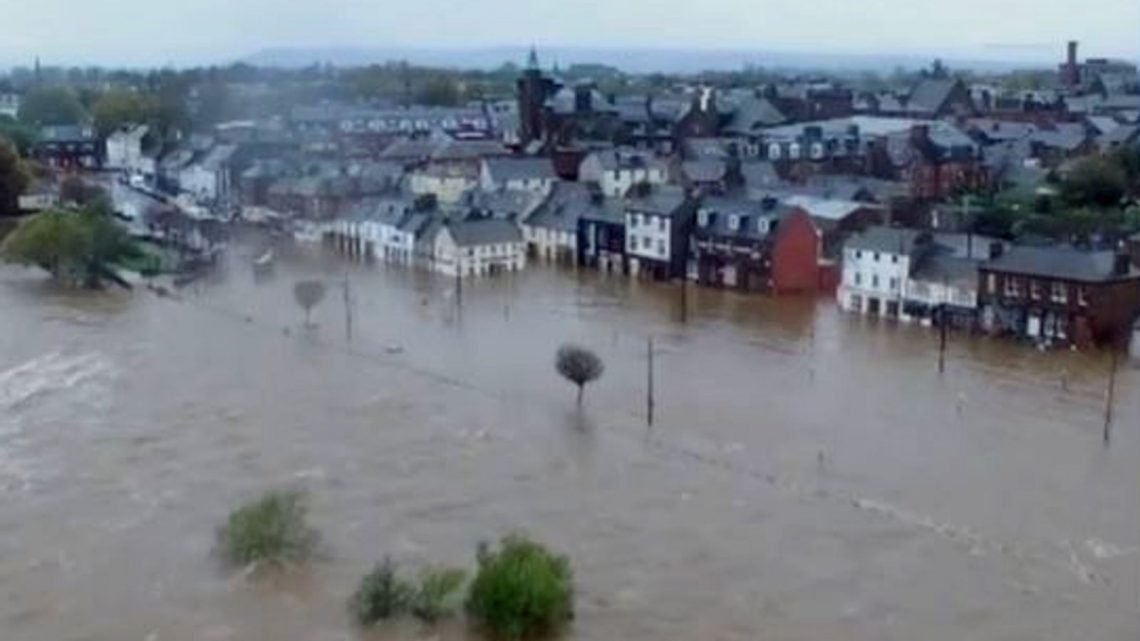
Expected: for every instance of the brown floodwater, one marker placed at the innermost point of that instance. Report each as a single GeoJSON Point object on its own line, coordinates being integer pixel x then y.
{"type": "Point", "coordinates": [809, 475]}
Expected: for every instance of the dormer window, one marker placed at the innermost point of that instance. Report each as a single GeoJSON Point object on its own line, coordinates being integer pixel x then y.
{"type": "Point", "coordinates": [704, 217]}
{"type": "Point", "coordinates": [762, 225]}
{"type": "Point", "coordinates": [794, 150]}
{"type": "Point", "coordinates": [774, 151]}
{"type": "Point", "coordinates": [817, 150]}
{"type": "Point", "coordinates": [733, 222]}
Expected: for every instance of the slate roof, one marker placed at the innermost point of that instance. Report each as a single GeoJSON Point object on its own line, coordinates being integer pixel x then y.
{"type": "Point", "coordinates": [483, 231]}
{"type": "Point", "coordinates": [826, 208]}
{"type": "Point", "coordinates": [929, 95]}
{"type": "Point", "coordinates": [1066, 136]}
{"type": "Point", "coordinates": [892, 240]}
{"type": "Point", "coordinates": [662, 200]}
{"type": "Point", "coordinates": [561, 211]}
{"type": "Point", "coordinates": [752, 115]}
{"type": "Point", "coordinates": [1060, 262]}
{"type": "Point", "coordinates": [706, 170]}
{"type": "Point", "coordinates": [504, 169]}
{"type": "Point", "coordinates": [943, 267]}
{"type": "Point", "coordinates": [717, 213]}
{"type": "Point", "coordinates": [760, 175]}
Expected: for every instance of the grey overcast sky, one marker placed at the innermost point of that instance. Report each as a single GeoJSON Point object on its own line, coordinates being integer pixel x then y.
{"type": "Point", "coordinates": [157, 32]}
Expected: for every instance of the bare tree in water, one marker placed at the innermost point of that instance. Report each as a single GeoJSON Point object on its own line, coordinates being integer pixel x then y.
{"type": "Point", "coordinates": [578, 365]}
{"type": "Point", "coordinates": [309, 294]}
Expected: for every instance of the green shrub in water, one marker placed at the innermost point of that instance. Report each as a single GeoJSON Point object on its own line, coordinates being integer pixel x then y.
{"type": "Point", "coordinates": [272, 529]}
{"type": "Point", "coordinates": [437, 593]}
{"type": "Point", "coordinates": [381, 595]}
{"type": "Point", "coordinates": [521, 590]}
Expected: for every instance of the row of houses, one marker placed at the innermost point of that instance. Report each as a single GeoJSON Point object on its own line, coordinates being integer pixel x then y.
{"type": "Point", "coordinates": [1054, 295]}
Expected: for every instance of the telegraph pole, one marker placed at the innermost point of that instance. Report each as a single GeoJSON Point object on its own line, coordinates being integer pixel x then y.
{"type": "Point", "coordinates": [942, 341]}
{"type": "Point", "coordinates": [347, 294]}
{"type": "Point", "coordinates": [649, 385]}
{"type": "Point", "coordinates": [1109, 398]}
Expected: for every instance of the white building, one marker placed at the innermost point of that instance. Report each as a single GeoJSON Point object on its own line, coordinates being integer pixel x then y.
{"type": "Point", "coordinates": [876, 270]}
{"type": "Point", "coordinates": [448, 182]}
{"type": "Point", "coordinates": [478, 247]}
{"type": "Point", "coordinates": [10, 105]}
{"type": "Point", "coordinates": [125, 151]}
{"type": "Point", "coordinates": [616, 170]}
{"type": "Point", "coordinates": [551, 231]}
{"type": "Point", "coordinates": [656, 224]}
{"type": "Point", "coordinates": [535, 175]}
{"type": "Point", "coordinates": [208, 179]}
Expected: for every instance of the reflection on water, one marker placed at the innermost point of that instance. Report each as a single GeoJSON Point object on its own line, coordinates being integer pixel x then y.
{"type": "Point", "coordinates": [808, 476]}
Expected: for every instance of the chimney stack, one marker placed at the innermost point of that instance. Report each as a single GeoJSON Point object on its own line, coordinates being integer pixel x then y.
{"type": "Point", "coordinates": [1072, 59]}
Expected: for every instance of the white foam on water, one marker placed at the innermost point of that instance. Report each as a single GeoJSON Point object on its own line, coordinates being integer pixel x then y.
{"type": "Point", "coordinates": [50, 372]}
{"type": "Point", "coordinates": [1102, 550]}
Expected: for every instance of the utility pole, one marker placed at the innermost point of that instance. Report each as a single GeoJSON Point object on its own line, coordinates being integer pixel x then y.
{"type": "Point", "coordinates": [1109, 399]}
{"type": "Point", "coordinates": [942, 340]}
{"type": "Point", "coordinates": [649, 385]}
{"type": "Point", "coordinates": [347, 293]}
{"type": "Point", "coordinates": [684, 300]}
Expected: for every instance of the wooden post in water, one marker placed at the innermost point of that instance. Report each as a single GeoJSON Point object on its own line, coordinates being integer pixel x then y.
{"type": "Point", "coordinates": [347, 294]}
{"type": "Point", "coordinates": [684, 299]}
{"type": "Point", "coordinates": [942, 341]}
{"type": "Point", "coordinates": [1109, 398]}
{"type": "Point", "coordinates": [649, 385]}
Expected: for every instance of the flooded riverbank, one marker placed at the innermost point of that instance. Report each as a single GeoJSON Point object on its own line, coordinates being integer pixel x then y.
{"type": "Point", "coordinates": [809, 475]}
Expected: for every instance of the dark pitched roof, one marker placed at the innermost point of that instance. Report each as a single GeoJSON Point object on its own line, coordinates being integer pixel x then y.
{"type": "Point", "coordinates": [894, 240]}
{"type": "Point", "coordinates": [661, 200]}
{"type": "Point", "coordinates": [503, 169]}
{"type": "Point", "coordinates": [706, 170]}
{"type": "Point", "coordinates": [716, 216]}
{"type": "Point", "coordinates": [561, 211]}
{"type": "Point", "coordinates": [484, 231]}
{"type": "Point", "coordinates": [929, 95]}
{"type": "Point", "coordinates": [944, 267]}
{"type": "Point", "coordinates": [1066, 263]}
{"type": "Point", "coordinates": [753, 115]}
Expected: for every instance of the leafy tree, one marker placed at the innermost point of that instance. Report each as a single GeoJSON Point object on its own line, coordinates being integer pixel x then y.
{"type": "Point", "coordinates": [76, 191]}
{"type": "Point", "coordinates": [578, 365]}
{"type": "Point", "coordinates": [436, 593]}
{"type": "Point", "coordinates": [19, 134]}
{"type": "Point", "coordinates": [13, 179]}
{"type": "Point", "coordinates": [521, 590]}
{"type": "Point", "coordinates": [272, 529]}
{"type": "Point", "coordinates": [118, 107]}
{"type": "Point", "coordinates": [381, 595]}
{"type": "Point", "coordinates": [308, 294]}
{"type": "Point", "coordinates": [1095, 181]}
{"type": "Point", "coordinates": [76, 246]}
{"type": "Point", "coordinates": [51, 106]}
{"type": "Point", "coordinates": [439, 92]}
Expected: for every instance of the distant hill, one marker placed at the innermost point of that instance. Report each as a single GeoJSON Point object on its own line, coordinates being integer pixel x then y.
{"type": "Point", "coordinates": [629, 60]}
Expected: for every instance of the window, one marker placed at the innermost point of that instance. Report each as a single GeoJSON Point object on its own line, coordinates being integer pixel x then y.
{"type": "Point", "coordinates": [876, 257]}
{"type": "Point", "coordinates": [894, 283]}
{"type": "Point", "coordinates": [646, 243]}
{"type": "Point", "coordinates": [1060, 293]}
{"type": "Point", "coordinates": [858, 254]}
{"type": "Point", "coordinates": [661, 224]}
{"type": "Point", "coordinates": [637, 220]}
{"type": "Point", "coordinates": [661, 247]}
{"type": "Point", "coordinates": [894, 259]}
{"type": "Point", "coordinates": [874, 281]}
{"type": "Point", "coordinates": [1083, 296]}
{"type": "Point", "coordinates": [1035, 290]}
{"type": "Point", "coordinates": [858, 278]}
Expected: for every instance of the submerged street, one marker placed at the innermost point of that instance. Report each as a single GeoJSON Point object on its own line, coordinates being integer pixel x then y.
{"type": "Point", "coordinates": [809, 475]}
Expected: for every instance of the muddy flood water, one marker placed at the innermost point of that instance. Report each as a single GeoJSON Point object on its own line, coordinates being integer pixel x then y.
{"type": "Point", "coordinates": [809, 476]}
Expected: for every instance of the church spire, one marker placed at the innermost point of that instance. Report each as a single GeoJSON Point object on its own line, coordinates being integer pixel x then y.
{"type": "Point", "coordinates": [532, 59]}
